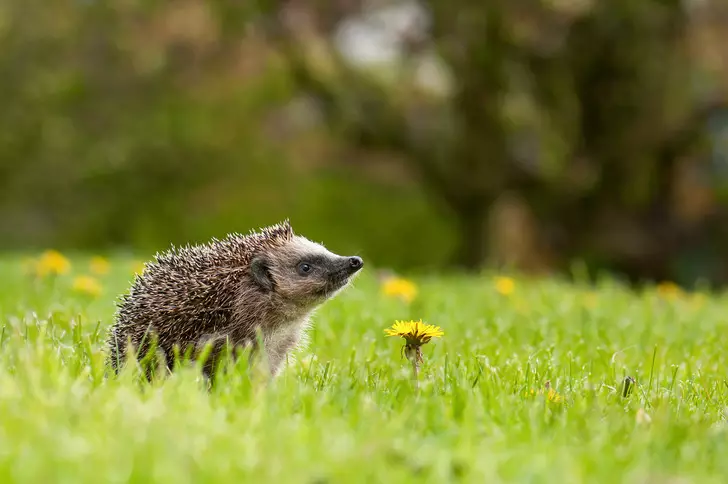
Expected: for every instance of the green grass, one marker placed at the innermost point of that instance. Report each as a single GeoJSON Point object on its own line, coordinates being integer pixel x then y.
{"type": "Point", "coordinates": [348, 412]}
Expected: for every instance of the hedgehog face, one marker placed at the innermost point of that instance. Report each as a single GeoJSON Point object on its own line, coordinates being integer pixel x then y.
{"type": "Point", "coordinates": [304, 273]}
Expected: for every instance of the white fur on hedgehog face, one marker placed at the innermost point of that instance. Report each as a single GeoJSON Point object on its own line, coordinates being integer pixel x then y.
{"type": "Point", "coordinates": [306, 274]}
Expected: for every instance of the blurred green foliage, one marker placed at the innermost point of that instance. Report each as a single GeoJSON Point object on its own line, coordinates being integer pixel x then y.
{"type": "Point", "coordinates": [140, 124]}
{"type": "Point", "coordinates": [557, 131]}
{"type": "Point", "coordinates": [571, 130]}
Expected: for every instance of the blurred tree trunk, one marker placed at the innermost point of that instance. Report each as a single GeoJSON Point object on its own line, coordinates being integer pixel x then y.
{"type": "Point", "coordinates": [473, 248]}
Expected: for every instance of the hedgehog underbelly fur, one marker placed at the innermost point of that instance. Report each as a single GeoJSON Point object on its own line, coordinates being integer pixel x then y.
{"type": "Point", "coordinates": [280, 342]}
{"type": "Point", "coordinates": [226, 290]}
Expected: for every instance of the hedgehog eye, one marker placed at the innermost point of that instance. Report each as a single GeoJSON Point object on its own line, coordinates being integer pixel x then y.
{"type": "Point", "coordinates": [304, 268]}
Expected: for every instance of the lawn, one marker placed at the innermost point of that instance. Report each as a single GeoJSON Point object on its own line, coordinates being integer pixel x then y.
{"type": "Point", "coordinates": [347, 410]}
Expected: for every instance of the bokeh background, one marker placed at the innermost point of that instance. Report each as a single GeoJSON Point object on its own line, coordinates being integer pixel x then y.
{"type": "Point", "coordinates": [533, 135]}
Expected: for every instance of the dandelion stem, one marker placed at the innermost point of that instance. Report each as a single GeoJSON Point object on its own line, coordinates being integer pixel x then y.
{"type": "Point", "coordinates": [414, 354]}
{"type": "Point", "coordinates": [415, 374]}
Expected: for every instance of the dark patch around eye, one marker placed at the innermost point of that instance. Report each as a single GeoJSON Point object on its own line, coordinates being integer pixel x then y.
{"type": "Point", "coordinates": [311, 264]}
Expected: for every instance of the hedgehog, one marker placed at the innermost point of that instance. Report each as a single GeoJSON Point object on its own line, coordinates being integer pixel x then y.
{"type": "Point", "coordinates": [236, 292]}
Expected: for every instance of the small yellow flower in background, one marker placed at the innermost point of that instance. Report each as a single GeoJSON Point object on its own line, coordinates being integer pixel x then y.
{"type": "Point", "coordinates": [669, 290]}
{"type": "Point", "coordinates": [550, 394]}
{"type": "Point", "coordinates": [52, 262]}
{"type": "Point", "coordinates": [99, 265]}
{"type": "Point", "coordinates": [401, 288]}
{"type": "Point", "coordinates": [86, 285]}
{"type": "Point", "coordinates": [504, 285]}
{"type": "Point", "coordinates": [553, 396]}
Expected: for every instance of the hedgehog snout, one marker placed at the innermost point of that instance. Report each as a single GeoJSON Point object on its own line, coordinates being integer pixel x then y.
{"type": "Point", "coordinates": [355, 263]}
{"type": "Point", "coordinates": [343, 268]}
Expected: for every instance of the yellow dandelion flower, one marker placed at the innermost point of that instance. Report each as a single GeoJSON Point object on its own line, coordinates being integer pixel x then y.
{"type": "Point", "coordinates": [504, 285]}
{"type": "Point", "coordinates": [414, 332]}
{"type": "Point", "coordinates": [550, 394]}
{"type": "Point", "coordinates": [52, 262]}
{"type": "Point", "coordinates": [553, 396]}
{"type": "Point", "coordinates": [400, 288]}
{"type": "Point", "coordinates": [668, 290]}
{"type": "Point", "coordinates": [87, 285]}
{"type": "Point", "coordinates": [99, 265]}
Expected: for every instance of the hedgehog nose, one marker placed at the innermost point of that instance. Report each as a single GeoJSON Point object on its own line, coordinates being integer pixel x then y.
{"type": "Point", "coordinates": [356, 263]}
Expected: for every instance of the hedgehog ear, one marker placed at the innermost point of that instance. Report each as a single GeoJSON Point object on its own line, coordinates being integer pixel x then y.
{"type": "Point", "coordinates": [261, 273]}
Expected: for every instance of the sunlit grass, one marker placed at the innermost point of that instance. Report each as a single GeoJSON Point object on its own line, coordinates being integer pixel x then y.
{"type": "Point", "coordinates": [524, 388]}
